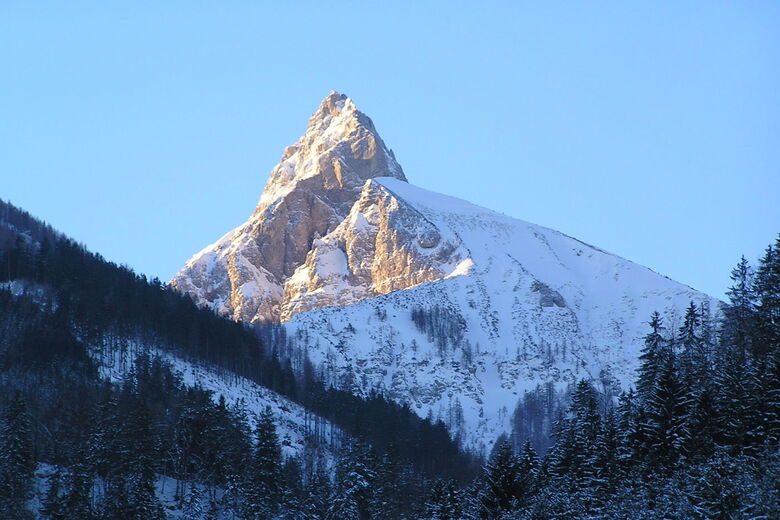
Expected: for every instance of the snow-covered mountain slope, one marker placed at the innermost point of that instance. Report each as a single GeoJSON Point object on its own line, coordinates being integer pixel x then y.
{"type": "Point", "coordinates": [450, 307]}
{"type": "Point", "coordinates": [517, 305]}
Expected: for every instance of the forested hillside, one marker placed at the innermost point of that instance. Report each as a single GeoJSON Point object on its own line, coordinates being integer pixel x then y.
{"type": "Point", "coordinates": [58, 305]}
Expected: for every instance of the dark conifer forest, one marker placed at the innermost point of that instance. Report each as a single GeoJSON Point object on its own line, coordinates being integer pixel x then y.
{"type": "Point", "coordinates": [122, 436]}
{"type": "Point", "coordinates": [696, 437]}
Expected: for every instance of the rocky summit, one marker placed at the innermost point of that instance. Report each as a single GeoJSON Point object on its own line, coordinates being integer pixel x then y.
{"type": "Point", "coordinates": [247, 273]}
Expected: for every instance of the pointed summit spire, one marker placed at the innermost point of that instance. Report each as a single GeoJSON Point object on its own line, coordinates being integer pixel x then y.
{"type": "Point", "coordinates": [333, 104]}
{"type": "Point", "coordinates": [341, 148]}
{"type": "Point", "coordinates": [308, 194]}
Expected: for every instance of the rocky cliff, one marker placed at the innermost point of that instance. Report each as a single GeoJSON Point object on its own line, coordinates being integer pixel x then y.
{"type": "Point", "coordinates": [247, 274]}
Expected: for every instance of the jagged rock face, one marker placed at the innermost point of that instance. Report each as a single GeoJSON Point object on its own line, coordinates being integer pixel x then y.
{"type": "Point", "coordinates": [383, 245]}
{"type": "Point", "coordinates": [319, 229]}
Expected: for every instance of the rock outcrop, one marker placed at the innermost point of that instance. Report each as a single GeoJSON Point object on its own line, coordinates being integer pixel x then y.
{"type": "Point", "coordinates": [322, 234]}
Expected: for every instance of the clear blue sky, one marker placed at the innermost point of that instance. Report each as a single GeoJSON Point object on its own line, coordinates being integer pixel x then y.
{"type": "Point", "coordinates": [650, 129]}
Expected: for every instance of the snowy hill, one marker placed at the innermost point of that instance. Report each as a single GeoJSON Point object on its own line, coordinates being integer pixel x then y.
{"type": "Point", "coordinates": [441, 304]}
{"type": "Point", "coordinates": [294, 423]}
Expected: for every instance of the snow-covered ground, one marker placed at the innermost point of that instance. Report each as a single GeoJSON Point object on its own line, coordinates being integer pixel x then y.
{"type": "Point", "coordinates": [195, 504]}
{"type": "Point", "coordinates": [116, 362]}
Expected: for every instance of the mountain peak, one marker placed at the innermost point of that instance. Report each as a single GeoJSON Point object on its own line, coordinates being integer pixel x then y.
{"type": "Point", "coordinates": [308, 194]}
{"type": "Point", "coordinates": [338, 119]}
{"type": "Point", "coordinates": [334, 104]}
{"type": "Point", "coordinates": [340, 150]}
{"type": "Point", "coordinates": [453, 309]}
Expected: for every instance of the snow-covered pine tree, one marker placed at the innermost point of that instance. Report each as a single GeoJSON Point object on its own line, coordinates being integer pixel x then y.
{"type": "Point", "coordinates": [767, 291]}
{"type": "Point", "coordinates": [769, 397]}
{"type": "Point", "coordinates": [527, 468]}
{"type": "Point", "coordinates": [694, 358]}
{"type": "Point", "coordinates": [17, 460]}
{"type": "Point", "coordinates": [78, 488]}
{"type": "Point", "coordinates": [586, 426]}
{"type": "Point", "coordinates": [502, 484]}
{"type": "Point", "coordinates": [352, 498]}
{"type": "Point", "coordinates": [630, 418]}
{"type": "Point", "coordinates": [737, 329]}
{"type": "Point", "coordinates": [236, 448]}
{"type": "Point", "coordinates": [142, 466]}
{"type": "Point", "coordinates": [667, 416]}
{"type": "Point", "coordinates": [734, 384]}
{"type": "Point", "coordinates": [291, 489]}
{"type": "Point", "coordinates": [560, 457]}
{"type": "Point", "coordinates": [445, 502]}
{"type": "Point", "coordinates": [317, 488]}
{"type": "Point", "coordinates": [605, 461]}
{"type": "Point", "coordinates": [702, 424]}
{"type": "Point", "coordinates": [655, 349]}
{"type": "Point", "coordinates": [388, 487]}
{"type": "Point", "coordinates": [262, 489]}
{"type": "Point", "coordinates": [583, 475]}
{"type": "Point", "coordinates": [708, 329]}
{"type": "Point", "coordinates": [104, 443]}
{"type": "Point", "coordinates": [53, 503]}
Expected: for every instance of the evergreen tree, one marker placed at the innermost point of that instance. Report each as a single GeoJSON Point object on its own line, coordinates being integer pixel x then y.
{"type": "Point", "coordinates": [78, 495]}
{"type": "Point", "coordinates": [141, 476]}
{"type": "Point", "coordinates": [769, 397]}
{"type": "Point", "coordinates": [735, 392]}
{"type": "Point", "coordinates": [666, 426]}
{"type": "Point", "coordinates": [702, 424]}
{"type": "Point", "coordinates": [317, 489]}
{"type": "Point", "coordinates": [694, 357]}
{"type": "Point", "coordinates": [708, 329]}
{"type": "Point", "coordinates": [722, 488]}
{"type": "Point", "coordinates": [388, 491]}
{"type": "Point", "coordinates": [527, 469]}
{"type": "Point", "coordinates": [17, 462]}
{"type": "Point", "coordinates": [53, 504]}
{"type": "Point", "coordinates": [576, 439]}
{"type": "Point", "coordinates": [652, 357]}
{"type": "Point", "coordinates": [351, 498]}
{"type": "Point", "coordinates": [291, 495]}
{"type": "Point", "coordinates": [445, 502]}
{"type": "Point", "coordinates": [104, 443]}
{"type": "Point", "coordinates": [502, 484]}
{"type": "Point", "coordinates": [584, 476]}
{"type": "Point", "coordinates": [262, 491]}
{"type": "Point", "coordinates": [767, 290]}
{"type": "Point", "coordinates": [606, 460]}
{"type": "Point", "coordinates": [630, 419]}
{"type": "Point", "coordinates": [560, 458]}
{"type": "Point", "coordinates": [738, 324]}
